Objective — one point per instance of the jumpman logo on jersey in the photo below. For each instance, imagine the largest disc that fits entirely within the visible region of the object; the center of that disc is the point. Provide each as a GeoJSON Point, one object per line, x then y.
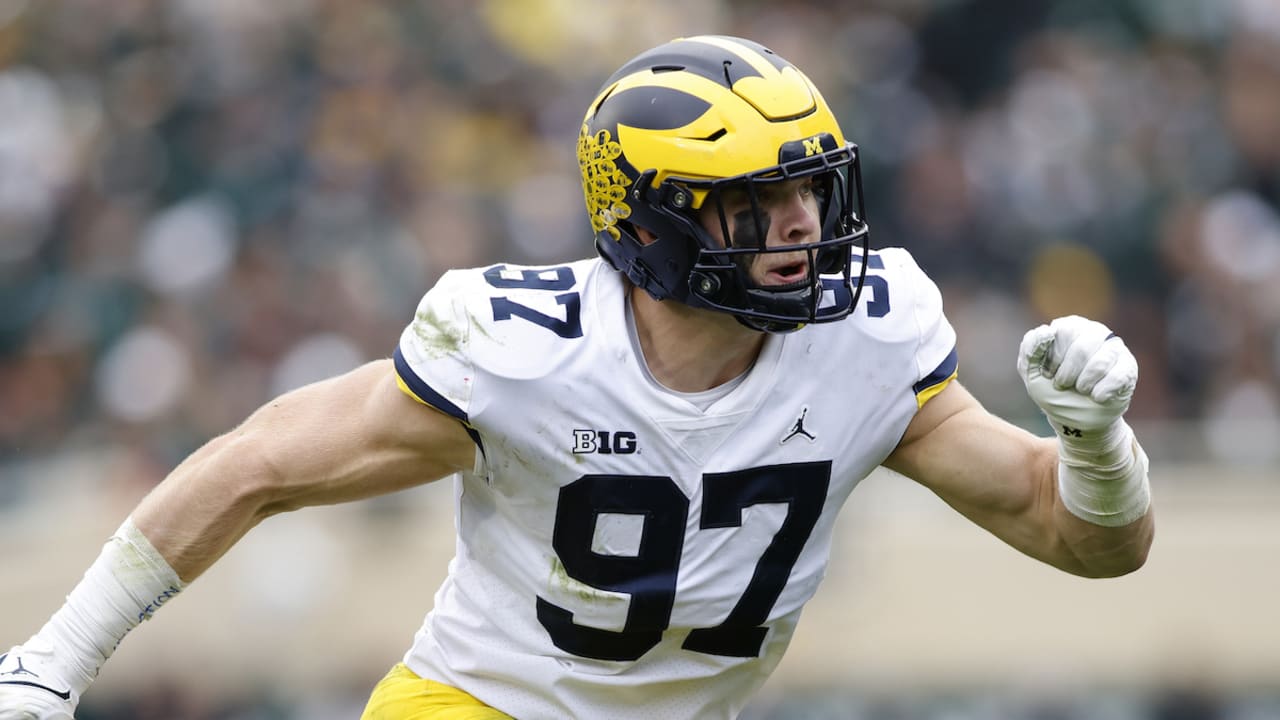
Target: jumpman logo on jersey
{"type": "Point", "coordinates": [798, 428]}
{"type": "Point", "coordinates": [22, 670]}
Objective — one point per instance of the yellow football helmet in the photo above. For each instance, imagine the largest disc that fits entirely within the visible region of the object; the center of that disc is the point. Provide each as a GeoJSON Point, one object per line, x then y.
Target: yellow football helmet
{"type": "Point", "coordinates": [680, 125]}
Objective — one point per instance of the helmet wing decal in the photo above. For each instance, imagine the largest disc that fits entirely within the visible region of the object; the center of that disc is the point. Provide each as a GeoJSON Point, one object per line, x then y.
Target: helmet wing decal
{"type": "Point", "coordinates": [650, 107]}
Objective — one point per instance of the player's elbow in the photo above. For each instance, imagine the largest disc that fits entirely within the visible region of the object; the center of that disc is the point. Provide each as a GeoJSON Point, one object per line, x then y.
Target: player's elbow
{"type": "Point", "coordinates": [1115, 567]}
{"type": "Point", "coordinates": [253, 479]}
{"type": "Point", "coordinates": [1129, 562]}
{"type": "Point", "coordinates": [1125, 551]}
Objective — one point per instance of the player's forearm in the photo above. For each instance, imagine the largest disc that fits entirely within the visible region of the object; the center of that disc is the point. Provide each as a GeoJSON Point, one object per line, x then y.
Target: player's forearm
{"type": "Point", "coordinates": [207, 504]}
{"type": "Point", "coordinates": [177, 532]}
{"type": "Point", "coordinates": [1103, 500]}
{"type": "Point", "coordinates": [337, 440]}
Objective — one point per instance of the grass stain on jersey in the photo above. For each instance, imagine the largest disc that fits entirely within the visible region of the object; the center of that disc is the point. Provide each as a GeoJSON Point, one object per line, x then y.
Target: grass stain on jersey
{"type": "Point", "coordinates": [560, 578]}
{"type": "Point", "coordinates": [439, 337]}
{"type": "Point", "coordinates": [479, 326]}
{"type": "Point", "coordinates": [518, 457]}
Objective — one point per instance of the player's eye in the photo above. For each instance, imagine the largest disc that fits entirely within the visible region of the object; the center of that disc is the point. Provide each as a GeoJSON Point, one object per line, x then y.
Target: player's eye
{"type": "Point", "coordinates": [733, 199]}
{"type": "Point", "coordinates": [782, 192]}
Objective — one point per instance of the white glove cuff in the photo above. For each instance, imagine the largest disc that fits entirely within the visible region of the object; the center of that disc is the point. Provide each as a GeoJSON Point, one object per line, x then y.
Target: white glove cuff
{"type": "Point", "coordinates": [1104, 480]}
{"type": "Point", "coordinates": [123, 587]}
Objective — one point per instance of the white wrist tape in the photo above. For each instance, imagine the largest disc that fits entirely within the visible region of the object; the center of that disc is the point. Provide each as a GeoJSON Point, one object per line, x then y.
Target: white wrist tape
{"type": "Point", "coordinates": [123, 587]}
{"type": "Point", "coordinates": [1104, 479]}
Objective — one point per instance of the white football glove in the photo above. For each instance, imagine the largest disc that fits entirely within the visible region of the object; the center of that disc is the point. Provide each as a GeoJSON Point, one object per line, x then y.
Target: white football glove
{"type": "Point", "coordinates": [31, 687]}
{"type": "Point", "coordinates": [1080, 374]}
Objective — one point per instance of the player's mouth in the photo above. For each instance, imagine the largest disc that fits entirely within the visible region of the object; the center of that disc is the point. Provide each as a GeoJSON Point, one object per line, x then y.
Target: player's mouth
{"type": "Point", "coordinates": [787, 273]}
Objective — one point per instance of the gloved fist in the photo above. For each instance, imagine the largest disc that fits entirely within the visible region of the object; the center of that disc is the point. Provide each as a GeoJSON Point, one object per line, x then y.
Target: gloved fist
{"type": "Point", "coordinates": [31, 690]}
{"type": "Point", "coordinates": [1080, 374]}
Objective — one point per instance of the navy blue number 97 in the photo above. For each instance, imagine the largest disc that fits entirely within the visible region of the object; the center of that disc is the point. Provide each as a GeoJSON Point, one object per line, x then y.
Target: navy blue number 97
{"type": "Point", "coordinates": [649, 576]}
{"type": "Point", "coordinates": [536, 279]}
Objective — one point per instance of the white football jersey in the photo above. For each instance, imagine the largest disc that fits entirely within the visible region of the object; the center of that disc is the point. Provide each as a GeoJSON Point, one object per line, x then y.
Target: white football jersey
{"type": "Point", "coordinates": [622, 553]}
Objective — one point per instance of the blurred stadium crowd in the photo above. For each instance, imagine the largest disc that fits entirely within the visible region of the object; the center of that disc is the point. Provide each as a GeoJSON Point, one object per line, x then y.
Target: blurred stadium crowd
{"type": "Point", "coordinates": [203, 204]}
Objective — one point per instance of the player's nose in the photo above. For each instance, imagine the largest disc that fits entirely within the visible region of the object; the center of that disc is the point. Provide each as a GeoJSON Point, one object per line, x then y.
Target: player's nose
{"type": "Point", "coordinates": [796, 219]}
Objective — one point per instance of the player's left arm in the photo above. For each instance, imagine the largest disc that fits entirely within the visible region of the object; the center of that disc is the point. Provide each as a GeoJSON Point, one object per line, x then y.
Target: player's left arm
{"type": "Point", "coordinates": [1080, 502]}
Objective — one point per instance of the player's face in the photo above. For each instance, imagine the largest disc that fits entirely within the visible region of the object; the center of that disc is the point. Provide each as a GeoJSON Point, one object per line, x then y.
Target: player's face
{"type": "Point", "coordinates": [788, 215]}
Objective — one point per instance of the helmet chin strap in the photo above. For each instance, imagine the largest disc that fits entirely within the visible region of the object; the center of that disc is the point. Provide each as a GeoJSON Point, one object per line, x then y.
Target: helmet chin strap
{"type": "Point", "coordinates": [793, 299]}
{"type": "Point", "coordinates": [773, 327]}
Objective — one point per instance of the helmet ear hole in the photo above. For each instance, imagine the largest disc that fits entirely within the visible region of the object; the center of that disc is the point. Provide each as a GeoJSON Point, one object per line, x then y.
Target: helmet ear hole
{"type": "Point", "coordinates": [643, 234]}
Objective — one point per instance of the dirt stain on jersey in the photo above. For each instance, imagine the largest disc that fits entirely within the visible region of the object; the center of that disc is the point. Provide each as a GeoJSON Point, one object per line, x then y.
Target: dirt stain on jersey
{"type": "Point", "coordinates": [439, 337]}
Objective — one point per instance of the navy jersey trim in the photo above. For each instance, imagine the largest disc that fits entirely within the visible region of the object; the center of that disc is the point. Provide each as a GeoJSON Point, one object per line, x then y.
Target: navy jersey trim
{"type": "Point", "coordinates": [423, 391]}
{"type": "Point", "coordinates": [940, 374]}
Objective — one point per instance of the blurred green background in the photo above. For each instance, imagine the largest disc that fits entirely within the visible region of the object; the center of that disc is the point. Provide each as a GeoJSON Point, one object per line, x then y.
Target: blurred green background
{"type": "Point", "coordinates": [203, 204]}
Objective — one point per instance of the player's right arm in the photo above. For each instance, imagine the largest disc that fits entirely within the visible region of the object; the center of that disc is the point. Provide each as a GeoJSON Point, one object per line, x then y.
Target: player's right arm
{"type": "Point", "coordinates": [347, 438]}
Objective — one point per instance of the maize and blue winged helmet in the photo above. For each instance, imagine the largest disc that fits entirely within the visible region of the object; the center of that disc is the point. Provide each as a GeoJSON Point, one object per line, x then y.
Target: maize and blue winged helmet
{"type": "Point", "coordinates": [684, 124]}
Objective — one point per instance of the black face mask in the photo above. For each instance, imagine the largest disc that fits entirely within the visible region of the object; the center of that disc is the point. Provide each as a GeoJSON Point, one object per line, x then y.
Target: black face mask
{"type": "Point", "coordinates": [721, 276]}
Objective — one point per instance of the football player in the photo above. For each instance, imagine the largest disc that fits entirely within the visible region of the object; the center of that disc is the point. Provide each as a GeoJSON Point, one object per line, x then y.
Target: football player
{"type": "Point", "coordinates": [649, 447]}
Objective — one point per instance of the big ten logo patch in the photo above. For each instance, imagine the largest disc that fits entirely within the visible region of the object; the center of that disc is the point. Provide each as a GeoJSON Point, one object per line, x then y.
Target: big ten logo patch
{"type": "Point", "coordinates": [605, 442]}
